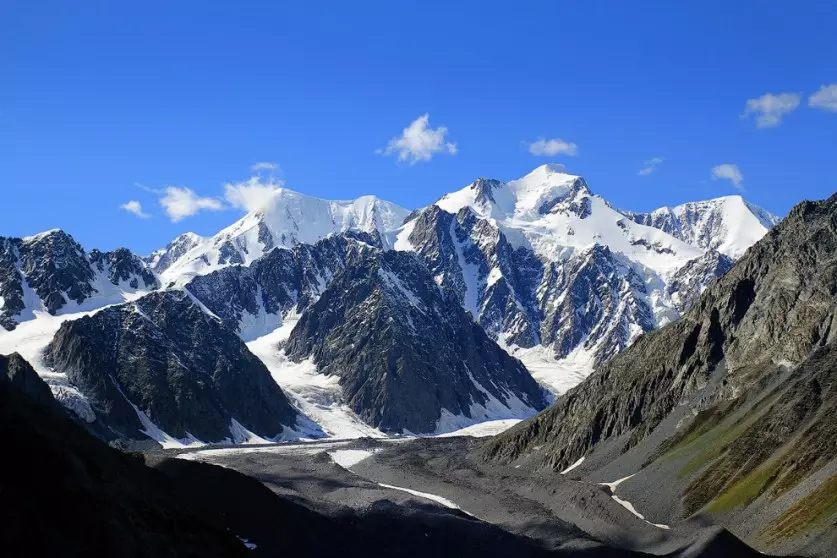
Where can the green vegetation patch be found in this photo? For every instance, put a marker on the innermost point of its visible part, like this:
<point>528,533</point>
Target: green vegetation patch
<point>747,489</point>
<point>809,513</point>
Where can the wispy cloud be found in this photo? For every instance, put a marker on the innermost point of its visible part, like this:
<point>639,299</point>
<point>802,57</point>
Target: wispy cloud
<point>419,142</point>
<point>825,98</point>
<point>769,109</point>
<point>731,172</point>
<point>251,194</point>
<point>135,207</point>
<point>650,166</point>
<point>180,203</point>
<point>264,166</point>
<point>552,147</point>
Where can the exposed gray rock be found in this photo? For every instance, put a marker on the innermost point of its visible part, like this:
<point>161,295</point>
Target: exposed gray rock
<point>403,349</point>
<point>49,270</point>
<point>165,357</point>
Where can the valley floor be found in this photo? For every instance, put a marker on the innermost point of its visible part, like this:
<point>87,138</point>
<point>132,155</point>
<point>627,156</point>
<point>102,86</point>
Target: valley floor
<point>556,512</point>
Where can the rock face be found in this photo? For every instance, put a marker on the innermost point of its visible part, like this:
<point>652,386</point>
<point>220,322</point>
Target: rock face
<point>51,271</point>
<point>741,388</point>
<point>253,300</point>
<point>19,375</point>
<point>408,356</point>
<point>162,361</point>
<point>543,261</point>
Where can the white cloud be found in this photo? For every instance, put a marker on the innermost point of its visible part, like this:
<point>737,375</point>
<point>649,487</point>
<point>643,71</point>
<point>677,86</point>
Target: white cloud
<point>650,166</point>
<point>770,109</point>
<point>825,98</point>
<point>180,203</point>
<point>135,207</point>
<point>419,142</point>
<point>730,172</point>
<point>552,147</point>
<point>268,166</point>
<point>251,194</point>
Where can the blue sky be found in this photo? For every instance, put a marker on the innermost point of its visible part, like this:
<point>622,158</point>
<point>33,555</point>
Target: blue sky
<point>97,97</point>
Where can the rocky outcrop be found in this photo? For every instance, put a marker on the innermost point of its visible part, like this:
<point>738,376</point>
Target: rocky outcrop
<point>406,353</point>
<point>253,299</point>
<point>161,361</point>
<point>50,271</point>
<point>594,301</point>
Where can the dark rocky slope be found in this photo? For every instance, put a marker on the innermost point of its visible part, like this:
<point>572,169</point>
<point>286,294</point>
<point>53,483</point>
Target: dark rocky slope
<point>164,356</point>
<point>735,400</point>
<point>403,348</point>
<point>65,493</point>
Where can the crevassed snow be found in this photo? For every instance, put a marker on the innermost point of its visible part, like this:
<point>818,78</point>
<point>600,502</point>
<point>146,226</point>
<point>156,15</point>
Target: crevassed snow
<point>253,326</point>
<point>316,395</point>
<point>31,337</point>
<point>556,375</point>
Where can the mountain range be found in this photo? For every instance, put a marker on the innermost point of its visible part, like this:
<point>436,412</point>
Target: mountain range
<point>686,352</point>
<point>484,305</point>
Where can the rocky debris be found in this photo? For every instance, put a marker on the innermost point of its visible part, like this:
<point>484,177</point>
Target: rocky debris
<point>163,356</point>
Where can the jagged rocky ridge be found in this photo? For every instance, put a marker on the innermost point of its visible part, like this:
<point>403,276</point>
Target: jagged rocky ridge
<point>161,361</point>
<point>543,261</point>
<point>253,300</point>
<point>51,271</point>
<point>736,399</point>
<point>408,356</point>
<point>377,320</point>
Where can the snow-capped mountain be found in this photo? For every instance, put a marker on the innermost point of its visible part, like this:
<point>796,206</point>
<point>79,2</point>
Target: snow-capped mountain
<point>285,220</point>
<point>320,290</point>
<point>729,224</point>
<point>51,273</point>
<point>559,276</point>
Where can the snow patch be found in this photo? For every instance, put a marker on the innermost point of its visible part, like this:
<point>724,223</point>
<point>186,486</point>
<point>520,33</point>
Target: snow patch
<point>573,466</point>
<point>347,458</point>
